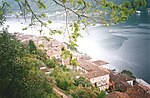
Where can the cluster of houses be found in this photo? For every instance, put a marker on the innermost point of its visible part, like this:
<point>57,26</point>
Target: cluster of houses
<point>97,72</point>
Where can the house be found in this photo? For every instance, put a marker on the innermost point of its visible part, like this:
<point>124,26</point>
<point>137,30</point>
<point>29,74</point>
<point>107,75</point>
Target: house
<point>55,43</point>
<point>53,53</point>
<point>98,78</point>
<point>120,82</point>
<point>138,91</point>
<point>24,38</point>
<point>85,57</point>
<point>116,94</point>
<point>101,64</point>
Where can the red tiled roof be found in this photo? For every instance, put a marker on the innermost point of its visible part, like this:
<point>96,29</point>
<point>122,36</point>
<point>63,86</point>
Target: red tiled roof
<point>96,73</point>
<point>119,77</point>
<point>53,52</point>
<point>117,95</point>
<point>100,62</point>
<point>138,91</point>
<point>87,65</point>
<point>119,81</point>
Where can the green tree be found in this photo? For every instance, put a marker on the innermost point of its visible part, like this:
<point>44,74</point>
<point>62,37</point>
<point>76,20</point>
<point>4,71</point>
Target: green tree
<point>64,78</point>
<point>32,47</point>
<point>19,75</point>
<point>87,92</point>
<point>82,81</point>
<point>51,63</point>
<point>3,10</point>
<point>41,55</point>
<point>35,85</point>
<point>11,52</point>
<point>101,94</point>
<point>128,73</point>
<point>82,92</point>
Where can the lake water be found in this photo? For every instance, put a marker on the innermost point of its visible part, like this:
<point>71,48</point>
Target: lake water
<point>125,45</point>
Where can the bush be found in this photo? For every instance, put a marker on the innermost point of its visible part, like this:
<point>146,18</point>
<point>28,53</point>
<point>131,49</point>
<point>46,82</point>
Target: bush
<point>82,81</point>
<point>41,55</point>
<point>128,73</point>
<point>51,63</point>
<point>82,92</point>
<point>32,48</point>
<point>63,84</point>
<point>87,92</point>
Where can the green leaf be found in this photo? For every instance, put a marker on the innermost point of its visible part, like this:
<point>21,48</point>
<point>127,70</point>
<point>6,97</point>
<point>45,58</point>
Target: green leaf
<point>64,1</point>
<point>80,1</point>
<point>1,13</point>
<point>17,0</point>
<point>49,21</point>
<point>59,32</point>
<point>41,4</point>
<point>25,28</point>
<point>46,38</point>
<point>43,15</point>
<point>66,54</point>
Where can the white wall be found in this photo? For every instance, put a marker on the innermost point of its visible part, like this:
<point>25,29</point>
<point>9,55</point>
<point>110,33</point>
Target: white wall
<point>102,81</point>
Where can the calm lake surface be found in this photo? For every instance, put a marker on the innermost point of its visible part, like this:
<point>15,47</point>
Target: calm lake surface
<point>125,45</point>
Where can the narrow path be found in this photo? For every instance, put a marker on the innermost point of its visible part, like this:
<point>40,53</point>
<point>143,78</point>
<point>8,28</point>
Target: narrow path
<point>60,93</point>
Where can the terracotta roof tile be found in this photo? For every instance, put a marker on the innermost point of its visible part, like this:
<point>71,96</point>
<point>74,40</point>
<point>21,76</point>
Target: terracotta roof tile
<point>100,62</point>
<point>117,95</point>
<point>87,65</point>
<point>119,77</point>
<point>138,91</point>
<point>96,73</point>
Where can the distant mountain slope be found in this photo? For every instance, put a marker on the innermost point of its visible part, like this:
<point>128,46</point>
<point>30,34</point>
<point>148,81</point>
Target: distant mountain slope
<point>53,7</point>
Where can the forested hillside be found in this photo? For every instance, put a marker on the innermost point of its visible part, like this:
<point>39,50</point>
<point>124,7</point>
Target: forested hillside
<point>51,6</point>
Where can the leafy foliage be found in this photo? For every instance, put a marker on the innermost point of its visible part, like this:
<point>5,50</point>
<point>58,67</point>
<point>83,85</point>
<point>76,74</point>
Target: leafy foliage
<point>51,63</point>
<point>19,75</point>
<point>128,73</point>
<point>82,81</point>
<point>41,55</point>
<point>64,79</point>
<point>32,47</point>
<point>36,85</point>
<point>3,10</point>
<point>86,92</point>
<point>11,66</point>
